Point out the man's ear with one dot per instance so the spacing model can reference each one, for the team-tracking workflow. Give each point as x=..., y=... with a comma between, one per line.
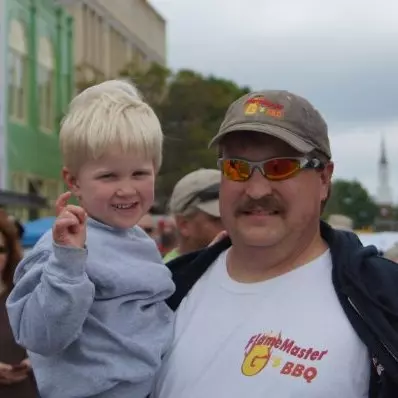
x=326, y=180
x=183, y=225
x=71, y=181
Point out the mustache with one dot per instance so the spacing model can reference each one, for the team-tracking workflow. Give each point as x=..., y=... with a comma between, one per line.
x=266, y=203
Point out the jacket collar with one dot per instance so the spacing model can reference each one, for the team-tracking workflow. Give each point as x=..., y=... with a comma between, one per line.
x=187, y=269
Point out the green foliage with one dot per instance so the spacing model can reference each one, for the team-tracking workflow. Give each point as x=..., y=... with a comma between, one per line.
x=152, y=81
x=351, y=199
x=191, y=115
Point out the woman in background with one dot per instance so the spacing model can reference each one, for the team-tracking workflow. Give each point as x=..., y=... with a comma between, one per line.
x=16, y=377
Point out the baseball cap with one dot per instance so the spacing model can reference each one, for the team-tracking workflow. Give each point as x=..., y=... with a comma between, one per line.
x=197, y=190
x=281, y=114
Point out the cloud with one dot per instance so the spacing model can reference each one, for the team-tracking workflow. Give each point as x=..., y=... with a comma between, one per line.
x=341, y=55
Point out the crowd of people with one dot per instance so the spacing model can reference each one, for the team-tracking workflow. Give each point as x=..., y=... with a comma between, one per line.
x=16, y=376
x=242, y=290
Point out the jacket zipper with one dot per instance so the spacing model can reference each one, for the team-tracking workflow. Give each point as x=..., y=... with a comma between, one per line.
x=382, y=342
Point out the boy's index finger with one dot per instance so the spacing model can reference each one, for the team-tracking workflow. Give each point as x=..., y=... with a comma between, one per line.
x=62, y=202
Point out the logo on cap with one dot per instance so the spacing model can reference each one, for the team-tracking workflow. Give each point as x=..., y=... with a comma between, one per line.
x=260, y=104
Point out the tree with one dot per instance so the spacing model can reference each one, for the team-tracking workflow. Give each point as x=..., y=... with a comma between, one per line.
x=151, y=81
x=191, y=115
x=87, y=77
x=351, y=199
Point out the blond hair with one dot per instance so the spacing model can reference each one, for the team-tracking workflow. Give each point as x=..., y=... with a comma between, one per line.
x=106, y=115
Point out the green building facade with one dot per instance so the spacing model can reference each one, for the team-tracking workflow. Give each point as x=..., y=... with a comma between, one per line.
x=40, y=80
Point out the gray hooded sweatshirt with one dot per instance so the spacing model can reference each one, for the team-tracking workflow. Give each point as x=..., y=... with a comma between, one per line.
x=93, y=320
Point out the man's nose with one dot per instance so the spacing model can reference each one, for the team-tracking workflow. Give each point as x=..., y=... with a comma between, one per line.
x=257, y=186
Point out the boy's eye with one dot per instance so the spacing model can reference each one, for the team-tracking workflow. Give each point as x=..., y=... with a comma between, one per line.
x=139, y=173
x=107, y=175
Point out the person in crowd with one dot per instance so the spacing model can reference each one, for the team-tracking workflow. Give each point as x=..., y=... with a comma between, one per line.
x=88, y=302
x=18, y=225
x=16, y=376
x=147, y=223
x=195, y=207
x=167, y=234
x=285, y=305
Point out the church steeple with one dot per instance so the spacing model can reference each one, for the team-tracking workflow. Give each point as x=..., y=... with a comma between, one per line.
x=384, y=195
x=383, y=155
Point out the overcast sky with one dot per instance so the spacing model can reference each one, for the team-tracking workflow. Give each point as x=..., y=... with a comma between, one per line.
x=342, y=55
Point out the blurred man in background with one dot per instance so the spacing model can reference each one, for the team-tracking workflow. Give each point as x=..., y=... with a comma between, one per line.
x=147, y=223
x=195, y=208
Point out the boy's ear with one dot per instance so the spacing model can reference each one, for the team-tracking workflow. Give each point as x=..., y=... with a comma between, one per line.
x=71, y=181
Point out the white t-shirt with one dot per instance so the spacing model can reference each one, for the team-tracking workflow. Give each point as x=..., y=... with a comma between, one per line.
x=285, y=337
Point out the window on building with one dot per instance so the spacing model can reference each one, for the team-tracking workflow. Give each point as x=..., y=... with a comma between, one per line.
x=34, y=187
x=49, y=189
x=17, y=72
x=118, y=51
x=99, y=44
x=93, y=43
x=46, y=84
x=19, y=183
x=86, y=33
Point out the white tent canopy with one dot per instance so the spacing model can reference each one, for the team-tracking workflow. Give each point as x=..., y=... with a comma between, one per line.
x=382, y=240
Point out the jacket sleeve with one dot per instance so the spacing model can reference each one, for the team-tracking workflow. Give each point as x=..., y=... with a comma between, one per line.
x=51, y=299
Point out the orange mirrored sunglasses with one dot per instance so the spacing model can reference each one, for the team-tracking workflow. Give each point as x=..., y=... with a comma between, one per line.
x=276, y=169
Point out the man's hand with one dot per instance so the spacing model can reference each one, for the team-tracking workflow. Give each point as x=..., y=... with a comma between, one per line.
x=70, y=225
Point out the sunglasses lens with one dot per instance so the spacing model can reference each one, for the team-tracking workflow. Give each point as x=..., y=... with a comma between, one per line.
x=279, y=169
x=3, y=250
x=235, y=170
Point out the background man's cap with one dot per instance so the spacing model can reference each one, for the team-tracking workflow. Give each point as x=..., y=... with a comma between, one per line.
x=197, y=190
x=280, y=114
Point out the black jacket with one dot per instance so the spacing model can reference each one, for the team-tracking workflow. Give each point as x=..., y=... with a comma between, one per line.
x=366, y=285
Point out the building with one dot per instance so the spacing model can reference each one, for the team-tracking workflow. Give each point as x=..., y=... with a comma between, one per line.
x=384, y=193
x=38, y=57
x=384, y=199
x=111, y=34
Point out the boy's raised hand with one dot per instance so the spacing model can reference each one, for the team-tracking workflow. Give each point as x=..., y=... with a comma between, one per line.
x=70, y=225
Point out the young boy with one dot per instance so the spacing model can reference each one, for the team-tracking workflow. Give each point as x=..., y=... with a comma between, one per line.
x=88, y=302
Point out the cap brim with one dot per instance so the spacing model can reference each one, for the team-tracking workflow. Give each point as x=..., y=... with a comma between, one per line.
x=211, y=207
x=275, y=131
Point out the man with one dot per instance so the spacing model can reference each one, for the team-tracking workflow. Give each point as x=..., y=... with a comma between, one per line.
x=167, y=234
x=286, y=306
x=195, y=207
x=20, y=228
